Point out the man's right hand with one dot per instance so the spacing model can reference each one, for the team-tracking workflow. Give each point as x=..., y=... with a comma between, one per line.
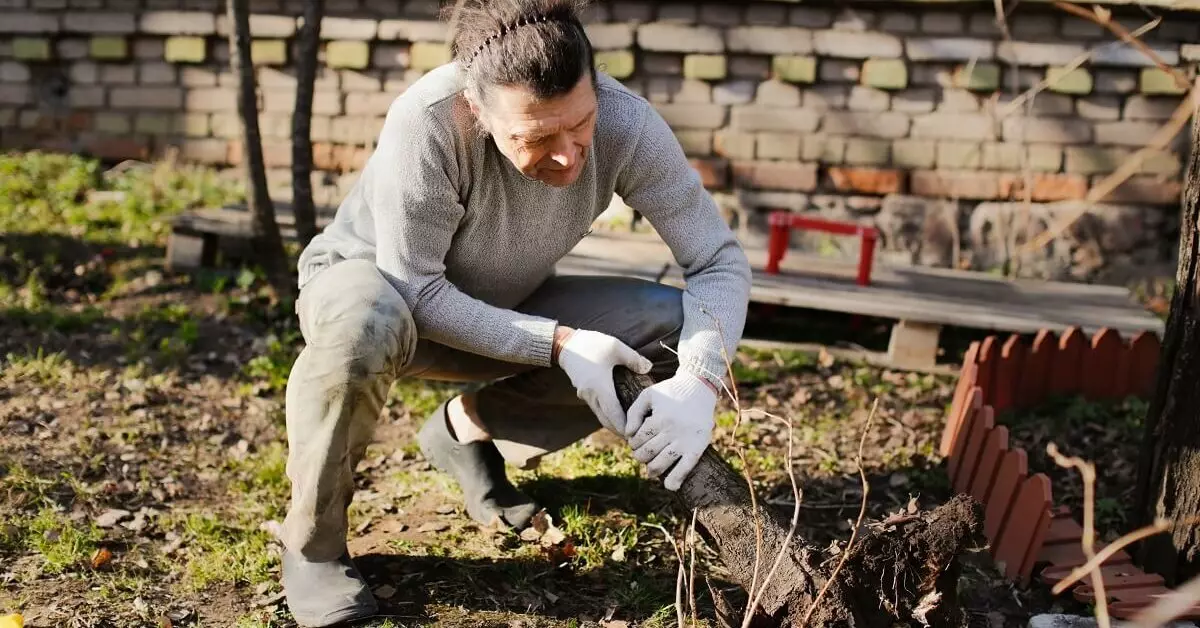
x=588, y=358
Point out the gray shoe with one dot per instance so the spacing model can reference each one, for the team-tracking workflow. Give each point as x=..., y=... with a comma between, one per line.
x=479, y=470
x=325, y=594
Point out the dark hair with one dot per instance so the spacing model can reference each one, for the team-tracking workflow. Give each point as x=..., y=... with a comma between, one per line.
x=539, y=45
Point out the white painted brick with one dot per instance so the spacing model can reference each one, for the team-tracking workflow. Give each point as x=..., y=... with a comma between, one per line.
x=826, y=97
x=777, y=94
x=156, y=73
x=914, y=100
x=863, y=98
x=413, y=30
x=959, y=101
x=769, y=40
x=1038, y=53
x=1190, y=52
x=1099, y=107
x=178, y=23
x=736, y=92
x=1047, y=130
x=661, y=36
x=948, y=49
x=610, y=36
x=348, y=28
x=854, y=45
x=954, y=126
x=887, y=124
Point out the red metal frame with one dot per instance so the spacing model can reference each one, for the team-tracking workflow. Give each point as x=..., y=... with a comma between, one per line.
x=782, y=223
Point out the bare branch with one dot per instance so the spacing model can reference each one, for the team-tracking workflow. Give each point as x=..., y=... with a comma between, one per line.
x=1133, y=537
x=1088, y=472
x=1169, y=606
x=1105, y=19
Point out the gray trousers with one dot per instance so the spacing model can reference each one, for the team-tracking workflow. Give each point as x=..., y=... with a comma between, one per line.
x=360, y=337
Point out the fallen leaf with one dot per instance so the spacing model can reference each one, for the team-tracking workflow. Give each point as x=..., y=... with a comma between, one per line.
x=385, y=592
x=530, y=535
x=433, y=526
x=445, y=509
x=111, y=517
x=615, y=623
x=165, y=622
x=824, y=358
x=140, y=605
x=618, y=554
x=101, y=557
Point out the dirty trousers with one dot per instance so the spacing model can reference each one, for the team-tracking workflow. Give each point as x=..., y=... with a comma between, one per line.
x=360, y=337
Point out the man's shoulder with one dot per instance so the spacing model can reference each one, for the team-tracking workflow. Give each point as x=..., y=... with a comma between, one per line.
x=430, y=93
x=622, y=111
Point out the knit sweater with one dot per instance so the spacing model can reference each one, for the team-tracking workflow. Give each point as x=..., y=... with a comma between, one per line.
x=464, y=236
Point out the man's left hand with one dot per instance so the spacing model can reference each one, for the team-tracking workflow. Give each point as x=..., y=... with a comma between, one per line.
x=672, y=421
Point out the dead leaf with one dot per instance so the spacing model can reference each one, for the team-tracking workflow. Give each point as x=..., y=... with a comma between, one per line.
x=615, y=623
x=618, y=554
x=824, y=358
x=140, y=605
x=433, y=526
x=530, y=535
x=111, y=517
x=445, y=509
x=101, y=557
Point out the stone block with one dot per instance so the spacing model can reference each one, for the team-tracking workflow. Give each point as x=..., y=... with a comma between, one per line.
x=888, y=124
x=966, y=185
x=678, y=13
x=1159, y=81
x=864, y=98
x=157, y=73
x=118, y=74
x=150, y=49
x=86, y=97
x=211, y=99
x=993, y=156
x=269, y=52
x=865, y=180
x=1099, y=107
x=99, y=23
x=978, y=77
x=810, y=17
x=914, y=100
x=885, y=73
x=113, y=123
x=369, y=104
x=914, y=153
x=771, y=40
x=959, y=101
x=352, y=54
x=764, y=118
x=736, y=92
x=1044, y=157
x=662, y=36
x=1048, y=130
x=725, y=14
x=1044, y=104
x=169, y=98
x=417, y=30
x=734, y=145
x=618, y=64
x=1140, y=107
x=1125, y=55
x=942, y=23
x=154, y=123
x=839, y=71
x=193, y=124
x=959, y=155
x=1074, y=81
x=949, y=49
x=1125, y=133
x=854, y=19
x=794, y=68
x=108, y=48
x=185, y=49
x=13, y=72
x=775, y=175
x=1094, y=160
x=897, y=22
x=826, y=97
x=31, y=22
x=1115, y=81
x=705, y=67
x=1162, y=163
x=685, y=91
x=610, y=36
x=1038, y=53
x=954, y=126
x=777, y=94
x=352, y=29
x=685, y=116
x=749, y=67
x=864, y=152
x=825, y=149
x=779, y=146
x=31, y=48
x=191, y=76
x=857, y=45
x=178, y=23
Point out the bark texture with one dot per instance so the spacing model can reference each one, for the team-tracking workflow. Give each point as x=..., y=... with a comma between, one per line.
x=1169, y=470
x=308, y=42
x=902, y=570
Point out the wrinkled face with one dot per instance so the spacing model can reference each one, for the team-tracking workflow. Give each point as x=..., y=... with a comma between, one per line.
x=547, y=140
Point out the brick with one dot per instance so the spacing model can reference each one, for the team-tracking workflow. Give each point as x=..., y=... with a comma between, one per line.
x=978, y=77
x=827, y=150
x=725, y=14
x=193, y=124
x=263, y=25
x=1159, y=81
x=1126, y=133
x=157, y=73
x=689, y=116
x=1094, y=160
x=15, y=94
x=764, y=118
x=1044, y=104
x=191, y=76
x=1139, y=107
x=948, y=49
x=1161, y=162
x=618, y=64
x=358, y=131
x=868, y=99
x=116, y=148
x=764, y=14
x=942, y=23
x=146, y=98
x=777, y=94
x=779, y=146
x=1075, y=81
x=113, y=74
x=714, y=173
x=678, y=13
x=749, y=67
x=1034, y=25
x=661, y=36
x=914, y=100
x=205, y=151
x=185, y=49
x=775, y=175
x=887, y=124
x=103, y=23
x=852, y=19
x=771, y=40
x=737, y=92
x=69, y=49
x=1099, y=108
x=150, y=49
x=86, y=97
x=897, y=22
x=632, y=11
x=959, y=101
x=1151, y=190
x=213, y=99
x=353, y=29
x=1115, y=81
x=866, y=180
x=610, y=36
x=154, y=123
x=839, y=71
x=321, y=129
x=357, y=55
x=31, y=48
x=826, y=97
x=269, y=52
x=863, y=152
x=1038, y=53
x=227, y=125
x=734, y=145
x=1044, y=157
x=108, y=48
x=954, y=126
x=14, y=72
x=1049, y=130
x=660, y=63
x=929, y=75
x=1125, y=55
x=112, y=123
x=368, y=81
x=437, y=32
x=885, y=73
x=1190, y=52
x=28, y=22
x=983, y=24
x=810, y=17
x=390, y=56
x=695, y=143
x=959, y=155
x=1079, y=28
x=994, y=156
x=794, y=68
x=705, y=67
x=1045, y=187
x=178, y=23
x=853, y=45
x=369, y=104
x=967, y=185
x=914, y=153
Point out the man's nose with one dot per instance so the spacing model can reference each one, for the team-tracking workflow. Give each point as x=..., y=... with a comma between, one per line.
x=563, y=153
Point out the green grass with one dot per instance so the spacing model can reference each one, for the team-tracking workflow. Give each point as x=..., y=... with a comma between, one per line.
x=47, y=369
x=271, y=369
x=224, y=549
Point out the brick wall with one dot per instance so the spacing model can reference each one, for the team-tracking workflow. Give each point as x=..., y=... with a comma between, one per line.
x=808, y=107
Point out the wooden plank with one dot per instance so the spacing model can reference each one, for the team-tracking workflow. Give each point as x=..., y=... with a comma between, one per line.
x=914, y=344
x=1068, y=364
x=1039, y=362
x=1013, y=469
x=971, y=410
x=1007, y=381
x=1029, y=514
x=1036, y=542
x=989, y=354
x=1144, y=350
x=966, y=381
x=1100, y=367
x=985, y=420
x=995, y=445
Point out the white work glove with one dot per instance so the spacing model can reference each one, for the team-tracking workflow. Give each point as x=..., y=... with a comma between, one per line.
x=588, y=358
x=679, y=426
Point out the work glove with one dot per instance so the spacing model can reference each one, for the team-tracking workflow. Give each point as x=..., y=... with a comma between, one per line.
x=672, y=421
x=588, y=358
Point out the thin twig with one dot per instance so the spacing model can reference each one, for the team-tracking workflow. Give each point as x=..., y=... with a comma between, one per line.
x=862, y=512
x=1081, y=571
x=1169, y=606
x=679, y=578
x=691, y=538
x=1105, y=19
x=1087, y=471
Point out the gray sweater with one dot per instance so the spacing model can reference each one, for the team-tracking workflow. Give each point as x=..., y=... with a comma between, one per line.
x=463, y=236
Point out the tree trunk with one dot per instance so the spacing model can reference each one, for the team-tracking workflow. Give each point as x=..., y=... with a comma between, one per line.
x=1169, y=468
x=898, y=571
x=308, y=42
x=268, y=243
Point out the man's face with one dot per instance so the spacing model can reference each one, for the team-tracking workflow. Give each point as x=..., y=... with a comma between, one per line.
x=547, y=140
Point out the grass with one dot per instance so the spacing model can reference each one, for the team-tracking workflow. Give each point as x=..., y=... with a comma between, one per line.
x=48, y=369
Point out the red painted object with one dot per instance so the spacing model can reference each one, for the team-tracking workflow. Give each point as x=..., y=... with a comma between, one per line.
x=782, y=223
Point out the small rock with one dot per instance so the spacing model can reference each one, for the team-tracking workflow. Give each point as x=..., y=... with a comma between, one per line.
x=111, y=517
x=445, y=509
x=434, y=526
x=385, y=592
x=153, y=278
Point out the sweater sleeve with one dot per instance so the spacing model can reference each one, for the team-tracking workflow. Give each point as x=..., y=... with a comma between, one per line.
x=410, y=182
x=659, y=182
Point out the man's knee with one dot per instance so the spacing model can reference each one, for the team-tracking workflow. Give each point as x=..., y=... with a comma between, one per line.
x=661, y=316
